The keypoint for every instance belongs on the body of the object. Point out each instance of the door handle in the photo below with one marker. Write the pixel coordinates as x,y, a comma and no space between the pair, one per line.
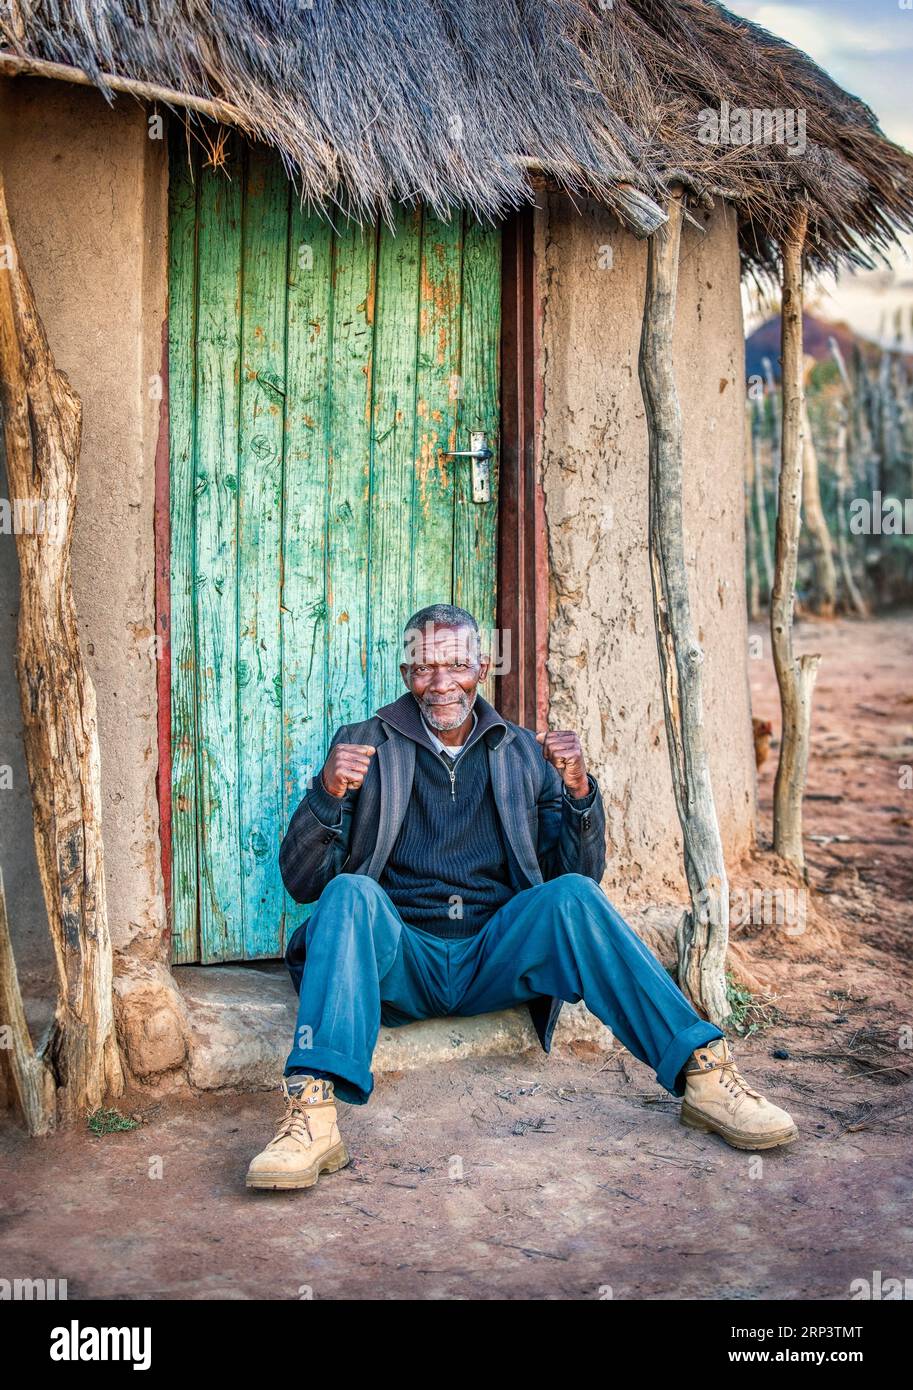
481,457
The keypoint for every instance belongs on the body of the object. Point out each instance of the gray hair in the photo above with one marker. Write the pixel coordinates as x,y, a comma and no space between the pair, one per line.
440,615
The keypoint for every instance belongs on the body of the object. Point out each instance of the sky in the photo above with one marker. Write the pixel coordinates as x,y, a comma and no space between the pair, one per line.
866,46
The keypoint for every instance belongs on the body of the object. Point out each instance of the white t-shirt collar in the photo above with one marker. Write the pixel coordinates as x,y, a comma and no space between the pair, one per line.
451,749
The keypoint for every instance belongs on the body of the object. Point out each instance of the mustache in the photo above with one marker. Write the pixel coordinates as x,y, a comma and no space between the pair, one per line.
461,703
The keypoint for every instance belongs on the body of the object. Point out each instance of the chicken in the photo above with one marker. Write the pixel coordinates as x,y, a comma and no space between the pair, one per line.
762,729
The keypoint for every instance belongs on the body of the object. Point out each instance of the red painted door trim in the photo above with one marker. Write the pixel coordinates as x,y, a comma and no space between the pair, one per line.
522,693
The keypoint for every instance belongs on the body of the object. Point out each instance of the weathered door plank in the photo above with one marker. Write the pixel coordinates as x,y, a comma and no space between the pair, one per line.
351,362
437,397
260,488
216,583
304,570
394,433
181,406
475,540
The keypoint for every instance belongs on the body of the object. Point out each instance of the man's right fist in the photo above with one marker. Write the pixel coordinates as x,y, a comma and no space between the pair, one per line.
346,767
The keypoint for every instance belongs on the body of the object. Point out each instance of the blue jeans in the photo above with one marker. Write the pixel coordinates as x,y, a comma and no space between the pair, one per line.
364,966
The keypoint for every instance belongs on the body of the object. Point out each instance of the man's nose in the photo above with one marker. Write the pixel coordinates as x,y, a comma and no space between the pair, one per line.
442,679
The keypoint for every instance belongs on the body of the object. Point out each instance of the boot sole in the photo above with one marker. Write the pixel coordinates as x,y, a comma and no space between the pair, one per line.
331,1162
693,1119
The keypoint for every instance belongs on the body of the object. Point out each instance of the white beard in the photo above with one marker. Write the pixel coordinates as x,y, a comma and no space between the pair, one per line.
451,722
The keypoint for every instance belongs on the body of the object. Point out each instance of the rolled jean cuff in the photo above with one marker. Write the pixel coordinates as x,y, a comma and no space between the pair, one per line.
668,1072
351,1082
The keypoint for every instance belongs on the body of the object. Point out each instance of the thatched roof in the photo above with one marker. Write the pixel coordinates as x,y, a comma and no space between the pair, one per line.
459,102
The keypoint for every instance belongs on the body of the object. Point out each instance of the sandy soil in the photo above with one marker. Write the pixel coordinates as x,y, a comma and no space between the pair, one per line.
567,1177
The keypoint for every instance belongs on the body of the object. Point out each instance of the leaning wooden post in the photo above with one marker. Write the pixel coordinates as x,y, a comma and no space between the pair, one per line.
42,426
795,675
703,934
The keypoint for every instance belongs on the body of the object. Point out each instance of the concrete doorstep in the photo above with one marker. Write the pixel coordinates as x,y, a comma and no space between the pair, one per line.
242,1019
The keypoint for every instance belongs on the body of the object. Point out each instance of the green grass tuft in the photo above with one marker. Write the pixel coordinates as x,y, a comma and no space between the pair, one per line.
748,1013
109,1122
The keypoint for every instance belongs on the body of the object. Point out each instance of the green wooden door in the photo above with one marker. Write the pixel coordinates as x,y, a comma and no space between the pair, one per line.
317,375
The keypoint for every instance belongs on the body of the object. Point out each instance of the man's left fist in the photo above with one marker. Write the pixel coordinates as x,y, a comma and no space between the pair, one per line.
562,749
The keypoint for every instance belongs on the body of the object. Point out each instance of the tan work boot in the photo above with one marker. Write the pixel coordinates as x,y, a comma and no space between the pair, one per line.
719,1101
307,1142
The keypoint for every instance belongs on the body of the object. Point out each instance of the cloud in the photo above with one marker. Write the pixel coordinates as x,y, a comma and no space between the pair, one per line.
869,51
869,56
822,31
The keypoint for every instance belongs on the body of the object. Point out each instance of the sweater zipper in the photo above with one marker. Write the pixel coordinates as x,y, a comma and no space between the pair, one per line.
452,773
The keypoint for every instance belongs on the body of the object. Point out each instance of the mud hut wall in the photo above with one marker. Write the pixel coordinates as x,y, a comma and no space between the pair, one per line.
603,665
87,189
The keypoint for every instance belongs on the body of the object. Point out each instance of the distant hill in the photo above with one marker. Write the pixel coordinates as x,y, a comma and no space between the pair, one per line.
765,342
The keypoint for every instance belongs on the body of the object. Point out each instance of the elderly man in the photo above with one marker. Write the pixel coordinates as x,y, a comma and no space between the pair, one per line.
455,860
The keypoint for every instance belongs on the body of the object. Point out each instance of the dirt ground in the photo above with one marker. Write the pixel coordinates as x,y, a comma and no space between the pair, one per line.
569,1178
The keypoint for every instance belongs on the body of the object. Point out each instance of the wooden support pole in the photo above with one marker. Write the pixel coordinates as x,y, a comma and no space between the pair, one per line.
703,933
795,675
42,427
16,65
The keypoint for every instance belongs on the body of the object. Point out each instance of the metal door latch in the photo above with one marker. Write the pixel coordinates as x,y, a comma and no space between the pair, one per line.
481,457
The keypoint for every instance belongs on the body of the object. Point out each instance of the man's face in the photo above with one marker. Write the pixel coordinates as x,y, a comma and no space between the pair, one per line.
443,669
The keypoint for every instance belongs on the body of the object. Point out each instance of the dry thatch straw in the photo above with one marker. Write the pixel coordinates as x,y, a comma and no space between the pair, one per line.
454,102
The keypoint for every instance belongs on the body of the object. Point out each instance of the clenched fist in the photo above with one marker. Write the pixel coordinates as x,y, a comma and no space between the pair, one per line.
346,767
562,749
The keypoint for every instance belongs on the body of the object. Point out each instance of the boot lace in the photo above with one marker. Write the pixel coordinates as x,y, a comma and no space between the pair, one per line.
295,1125
734,1082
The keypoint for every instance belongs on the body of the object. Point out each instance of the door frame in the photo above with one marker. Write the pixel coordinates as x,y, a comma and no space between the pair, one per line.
522,692
522,559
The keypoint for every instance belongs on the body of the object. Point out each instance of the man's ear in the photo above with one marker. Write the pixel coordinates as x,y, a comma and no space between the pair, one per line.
404,672
484,668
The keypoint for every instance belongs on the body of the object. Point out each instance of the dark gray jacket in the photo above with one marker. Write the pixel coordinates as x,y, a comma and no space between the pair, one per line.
545,832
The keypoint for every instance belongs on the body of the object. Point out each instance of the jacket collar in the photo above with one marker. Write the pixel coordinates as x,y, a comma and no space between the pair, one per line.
405,717
396,768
